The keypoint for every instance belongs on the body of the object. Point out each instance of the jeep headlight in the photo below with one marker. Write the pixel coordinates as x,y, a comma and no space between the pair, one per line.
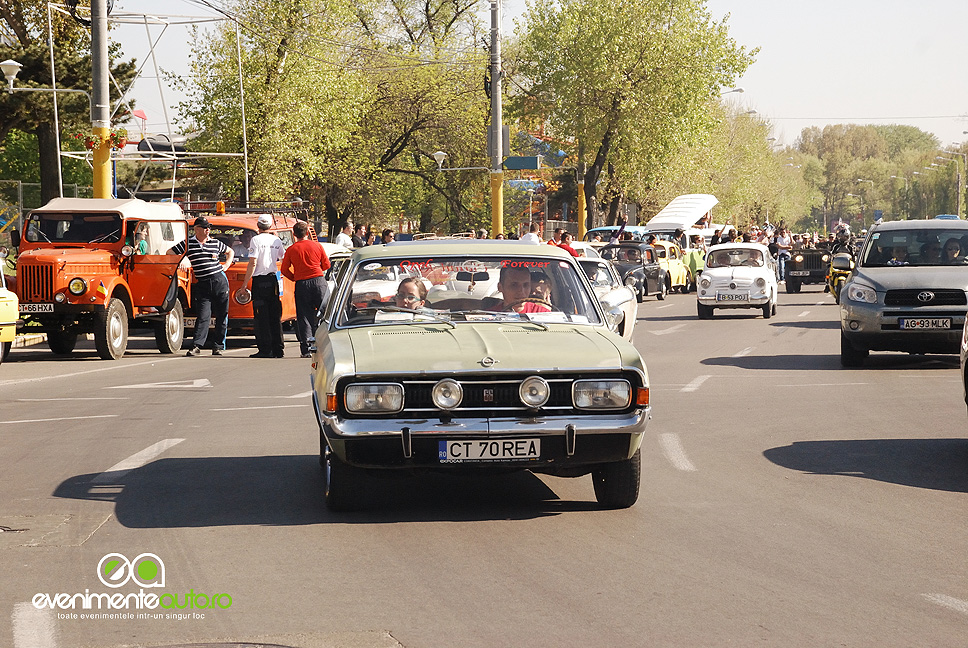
825,258
798,258
601,394
534,391
77,286
861,293
447,394
374,398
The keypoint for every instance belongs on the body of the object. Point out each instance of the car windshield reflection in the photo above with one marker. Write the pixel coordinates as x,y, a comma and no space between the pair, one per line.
461,289
916,247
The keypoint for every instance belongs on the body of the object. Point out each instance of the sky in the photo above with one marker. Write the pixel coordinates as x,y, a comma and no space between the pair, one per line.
820,62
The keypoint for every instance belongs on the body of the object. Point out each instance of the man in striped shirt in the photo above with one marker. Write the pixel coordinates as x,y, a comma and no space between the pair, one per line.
210,292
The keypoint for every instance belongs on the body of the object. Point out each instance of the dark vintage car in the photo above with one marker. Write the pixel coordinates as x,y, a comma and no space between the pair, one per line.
806,266
638,265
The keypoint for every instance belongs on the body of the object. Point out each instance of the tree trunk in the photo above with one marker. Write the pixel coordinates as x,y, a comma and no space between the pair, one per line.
49,161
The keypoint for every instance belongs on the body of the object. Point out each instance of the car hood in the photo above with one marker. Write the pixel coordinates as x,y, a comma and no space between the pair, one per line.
68,255
428,348
624,267
913,277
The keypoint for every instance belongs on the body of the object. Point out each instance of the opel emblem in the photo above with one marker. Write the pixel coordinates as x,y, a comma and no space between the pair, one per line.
925,296
488,361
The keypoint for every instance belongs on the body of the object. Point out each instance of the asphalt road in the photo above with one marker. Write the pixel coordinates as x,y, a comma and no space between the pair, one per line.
785,502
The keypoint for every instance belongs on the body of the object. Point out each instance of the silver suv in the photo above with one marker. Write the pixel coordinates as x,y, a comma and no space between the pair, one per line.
907,291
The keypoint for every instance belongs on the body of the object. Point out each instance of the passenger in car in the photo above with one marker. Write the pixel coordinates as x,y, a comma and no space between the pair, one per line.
951,252
931,253
541,288
411,293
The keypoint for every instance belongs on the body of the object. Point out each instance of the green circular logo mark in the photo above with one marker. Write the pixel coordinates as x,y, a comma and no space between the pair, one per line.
147,570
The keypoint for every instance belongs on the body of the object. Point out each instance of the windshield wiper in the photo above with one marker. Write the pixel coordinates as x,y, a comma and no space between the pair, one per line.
431,315
526,316
101,238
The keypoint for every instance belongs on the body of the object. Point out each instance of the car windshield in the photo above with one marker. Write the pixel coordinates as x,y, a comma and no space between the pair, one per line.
598,274
735,257
237,238
462,289
621,253
54,227
916,247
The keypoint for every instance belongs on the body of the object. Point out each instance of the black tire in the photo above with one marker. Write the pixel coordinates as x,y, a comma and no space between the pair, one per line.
792,286
851,356
5,350
838,287
344,484
111,330
617,484
767,310
640,292
62,341
663,291
170,332
704,312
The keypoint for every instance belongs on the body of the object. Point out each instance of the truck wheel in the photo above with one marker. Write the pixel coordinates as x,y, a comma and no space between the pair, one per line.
62,341
111,330
617,484
344,484
792,286
170,332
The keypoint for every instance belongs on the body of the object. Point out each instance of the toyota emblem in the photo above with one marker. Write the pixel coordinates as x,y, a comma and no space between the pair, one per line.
925,296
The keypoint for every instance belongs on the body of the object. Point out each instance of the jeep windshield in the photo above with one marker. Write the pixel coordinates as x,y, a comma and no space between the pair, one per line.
461,289
55,227
917,247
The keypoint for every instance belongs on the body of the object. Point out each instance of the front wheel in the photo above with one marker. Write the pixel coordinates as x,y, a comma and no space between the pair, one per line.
170,332
704,312
5,350
111,330
663,290
62,341
851,356
617,484
344,483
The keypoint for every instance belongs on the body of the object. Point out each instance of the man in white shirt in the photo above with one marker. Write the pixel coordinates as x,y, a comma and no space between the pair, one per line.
532,236
345,237
265,252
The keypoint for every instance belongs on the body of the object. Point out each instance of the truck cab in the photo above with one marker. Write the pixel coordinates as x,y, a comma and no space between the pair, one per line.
93,265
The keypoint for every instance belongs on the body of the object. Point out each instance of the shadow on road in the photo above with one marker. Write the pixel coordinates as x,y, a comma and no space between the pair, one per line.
936,464
876,362
288,490
806,324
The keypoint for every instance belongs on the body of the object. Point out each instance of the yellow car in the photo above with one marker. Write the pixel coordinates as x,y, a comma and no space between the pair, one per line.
670,260
8,312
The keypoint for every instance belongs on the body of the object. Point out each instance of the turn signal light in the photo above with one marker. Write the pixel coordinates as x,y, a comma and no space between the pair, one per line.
220,207
330,402
642,396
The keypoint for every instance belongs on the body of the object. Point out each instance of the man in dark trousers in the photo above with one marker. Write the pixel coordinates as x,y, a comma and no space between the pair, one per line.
306,264
210,292
265,251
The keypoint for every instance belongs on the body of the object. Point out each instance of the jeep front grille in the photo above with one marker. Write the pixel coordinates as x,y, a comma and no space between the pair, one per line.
35,283
813,262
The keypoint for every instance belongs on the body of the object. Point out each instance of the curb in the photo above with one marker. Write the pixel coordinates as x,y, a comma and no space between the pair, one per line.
21,341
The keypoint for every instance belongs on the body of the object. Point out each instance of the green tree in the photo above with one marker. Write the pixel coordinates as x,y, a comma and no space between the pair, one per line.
627,81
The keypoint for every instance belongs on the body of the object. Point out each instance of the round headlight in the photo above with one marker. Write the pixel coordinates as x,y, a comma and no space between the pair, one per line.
704,282
447,394
798,258
760,282
825,258
534,391
127,251
77,286
60,298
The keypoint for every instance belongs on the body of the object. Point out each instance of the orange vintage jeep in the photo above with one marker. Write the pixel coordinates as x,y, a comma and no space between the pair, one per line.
92,265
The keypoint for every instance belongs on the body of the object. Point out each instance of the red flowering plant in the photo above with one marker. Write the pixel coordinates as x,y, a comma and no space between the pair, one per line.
115,139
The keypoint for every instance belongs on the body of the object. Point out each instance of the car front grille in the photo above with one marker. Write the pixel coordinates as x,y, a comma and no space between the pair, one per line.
810,262
925,297
35,283
485,396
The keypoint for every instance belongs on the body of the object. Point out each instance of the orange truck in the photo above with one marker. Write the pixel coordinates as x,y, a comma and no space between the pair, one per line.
92,265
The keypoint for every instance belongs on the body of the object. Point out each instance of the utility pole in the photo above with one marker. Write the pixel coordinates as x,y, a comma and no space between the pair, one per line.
497,127
100,110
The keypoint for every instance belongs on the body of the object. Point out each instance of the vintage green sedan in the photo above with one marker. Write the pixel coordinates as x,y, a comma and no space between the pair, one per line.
488,356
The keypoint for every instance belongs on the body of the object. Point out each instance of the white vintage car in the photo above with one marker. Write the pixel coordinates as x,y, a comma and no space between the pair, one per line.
737,275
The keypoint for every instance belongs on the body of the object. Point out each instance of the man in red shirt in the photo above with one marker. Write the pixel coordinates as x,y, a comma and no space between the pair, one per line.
565,244
306,263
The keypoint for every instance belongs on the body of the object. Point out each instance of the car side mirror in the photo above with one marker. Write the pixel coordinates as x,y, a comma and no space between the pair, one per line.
15,238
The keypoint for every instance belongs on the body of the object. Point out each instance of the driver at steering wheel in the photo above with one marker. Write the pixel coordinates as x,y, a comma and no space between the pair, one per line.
515,287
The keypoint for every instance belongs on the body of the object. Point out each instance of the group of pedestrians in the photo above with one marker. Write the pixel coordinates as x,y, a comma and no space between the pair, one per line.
305,263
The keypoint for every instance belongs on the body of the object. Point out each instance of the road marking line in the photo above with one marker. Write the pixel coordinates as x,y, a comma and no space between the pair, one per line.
744,352
113,367
804,314
93,398
672,448
666,306
33,628
948,601
262,407
695,384
305,394
174,384
668,330
137,460
64,418
823,303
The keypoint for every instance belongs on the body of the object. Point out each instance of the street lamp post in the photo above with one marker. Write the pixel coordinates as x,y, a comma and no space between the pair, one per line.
904,178
961,173
861,204
497,128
